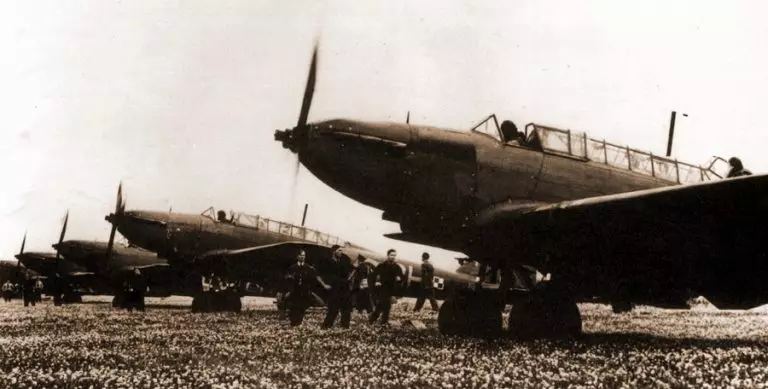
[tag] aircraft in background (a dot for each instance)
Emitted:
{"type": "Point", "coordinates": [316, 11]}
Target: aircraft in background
{"type": "Point", "coordinates": [246, 249]}
{"type": "Point", "coordinates": [110, 265]}
{"type": "Point", "coordinates": [603, 220]}
{"type": "Point", "coordinates": [75, 280]}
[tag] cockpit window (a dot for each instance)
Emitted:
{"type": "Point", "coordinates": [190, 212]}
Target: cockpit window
{"type": "Point", "coordinates": [209, 213]}
{"type": "Point", "coordinates": [490, 127]}
{"type": "Point", "coordinates": [718, 167]}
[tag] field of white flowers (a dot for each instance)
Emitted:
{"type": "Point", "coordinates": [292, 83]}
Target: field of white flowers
{"type": "Point", "coordinates": [93, 345]}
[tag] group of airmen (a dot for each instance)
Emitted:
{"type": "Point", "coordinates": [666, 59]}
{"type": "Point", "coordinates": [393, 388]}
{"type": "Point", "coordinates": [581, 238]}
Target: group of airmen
{"type": "Point", "coordinates": [350, 283]}
{"type": "Point", "coordinates": [31, 290]}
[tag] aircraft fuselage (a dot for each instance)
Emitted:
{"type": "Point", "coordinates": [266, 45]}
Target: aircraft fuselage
{"type": "Point", "coordinates": [435, 181]}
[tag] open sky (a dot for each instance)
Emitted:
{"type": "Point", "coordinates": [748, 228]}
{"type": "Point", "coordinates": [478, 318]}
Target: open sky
{"type": "Point", "coordinates": [180, 99]}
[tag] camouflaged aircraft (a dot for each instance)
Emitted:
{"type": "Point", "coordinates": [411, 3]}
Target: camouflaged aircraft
{"type": "Point", "coordinates": [107, 265]}
{"type": "Point", "coordinates": [604, 220]}
{"type": "Point", "coordinates": [248, 250]}
{"type": "Point", "coordinates": [75, 279]}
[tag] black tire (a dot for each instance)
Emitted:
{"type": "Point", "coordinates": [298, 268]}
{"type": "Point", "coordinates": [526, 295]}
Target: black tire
{"type": "Point", "coordinates": [117, 301]}
{"type": "Point", "coordinates": [448, 319]}
{"type": "Point", "coordinates": [548, 316]}
{"type": "Point", "coordinates": [235, 303]}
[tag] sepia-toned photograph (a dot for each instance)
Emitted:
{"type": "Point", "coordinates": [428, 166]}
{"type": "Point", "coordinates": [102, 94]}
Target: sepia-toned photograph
{"type": "Point", "coordinates": [402, 194]}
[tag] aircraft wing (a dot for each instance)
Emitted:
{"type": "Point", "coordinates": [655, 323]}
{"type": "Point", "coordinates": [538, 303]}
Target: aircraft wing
{"type": "Point", "coordinates": [651, 245]}
{"type": "Point", "coordinates": [265, 265]}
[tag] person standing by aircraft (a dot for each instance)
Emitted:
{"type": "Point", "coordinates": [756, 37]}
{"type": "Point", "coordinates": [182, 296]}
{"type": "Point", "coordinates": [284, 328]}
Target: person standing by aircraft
{"type": "Point", "coordinates": [336, 272]}
{"type": "Point", "coordinates": [427, 290]}
{"type": "Point", "coordinates": [135, 291]}
{"type": "Point", "coordinates": [300, 278]}
{"type": "Point", "coordinates": [359, 281]}
{"type": "Point", "coordinates": [58, 290]}
{"type": "Point", "coordinates": [388, 273]}
{"type": "Point", "coordinates": [7, 291]}
{"type": "Point", "coordinates": [29, 291]}
{"type": "Point", "coordinates": [39, 290]}
{"type": "Point", "coordinates": [201, 302]}
{"type": "Point", "coordinates": [737, 168]}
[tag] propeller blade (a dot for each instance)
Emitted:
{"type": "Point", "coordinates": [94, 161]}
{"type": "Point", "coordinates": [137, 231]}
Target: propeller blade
{"type": "Point", "coordinates": [23, 242]}
{"type": "Point", "coordinates": [408, 118]}
{"type": "Point", "coordinates": [119, 203]}
{"type": "Point", "coordinates": [63, 232]}
{"type": "Point", "coordinates": [309, 90]}
{"type": "Point", "coordinates": [111, 243]}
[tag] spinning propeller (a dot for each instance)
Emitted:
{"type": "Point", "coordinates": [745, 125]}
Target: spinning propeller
{"type": "Point", "coordinates": [21, 251]}
{"type": "Point", "coordinates": [296, 139]}
{"type": "Point", "coordinates": [119, 210]}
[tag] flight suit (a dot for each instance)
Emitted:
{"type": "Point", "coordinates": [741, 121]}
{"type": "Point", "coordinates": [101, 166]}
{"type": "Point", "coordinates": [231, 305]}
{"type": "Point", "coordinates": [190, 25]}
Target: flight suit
{"type": "Point", "coordinates": [39, 291]}
{"type": "Point", "coordinates": [201, 301]}
{"type": "Point", "coordinates": [29, 292]}
{"type": "Point", "coordinates": [360, 290]}
{"type": "Point", "coordinates": [135, 292]}
{"type": "Point", "coordinates": [299, 281]}
{"type": "Point", "coordinates": [58, 290]}
{"type": "Point", "coordinates": [7, 291]}
{"type": "Point", "coordinates": [427, 290]}
{"type": "Point", "coordinates": [337, 272]}
{"type": "Point", "coordinates": [387, 273]}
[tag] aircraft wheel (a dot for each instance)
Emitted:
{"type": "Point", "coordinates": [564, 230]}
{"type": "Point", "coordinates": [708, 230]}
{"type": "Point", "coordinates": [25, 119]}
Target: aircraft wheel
{"type": "Point", "coordinates": [71, 297]}
{"type": "Point", "coordinates": [117, 301]}
{"type": "Point", "coordinates": [450, 319]}
{"type": "Point", "coordinates": [235, 303]}
{"type": "Point", "coordinates": [545, 315]}
{"type": "Point", "coordinates": [471, 313]}
{"type": "Point", "coordinates": [621, 306]}
{"type": "Point", "coordinates": [197, 303]}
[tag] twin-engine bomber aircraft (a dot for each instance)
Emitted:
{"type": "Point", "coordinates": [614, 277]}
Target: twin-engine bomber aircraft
{"type": "Point", "coordinates": [605, 221]}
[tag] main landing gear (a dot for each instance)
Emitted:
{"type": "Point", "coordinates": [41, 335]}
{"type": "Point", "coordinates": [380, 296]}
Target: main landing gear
{"type": "Point", "coordinates": [545, 311]}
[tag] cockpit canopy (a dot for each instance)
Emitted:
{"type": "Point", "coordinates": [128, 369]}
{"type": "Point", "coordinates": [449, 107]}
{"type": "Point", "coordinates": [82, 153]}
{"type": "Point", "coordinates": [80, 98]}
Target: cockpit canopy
{"type": "Point", "coordinates": [257, 222]}
{"type": "Point", "coordinates": [577, 145]}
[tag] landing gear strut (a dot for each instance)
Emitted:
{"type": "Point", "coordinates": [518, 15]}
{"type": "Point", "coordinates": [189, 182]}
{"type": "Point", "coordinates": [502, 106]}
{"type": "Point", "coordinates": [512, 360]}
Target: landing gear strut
{"type": "Point", "coordinates": [547, 311]}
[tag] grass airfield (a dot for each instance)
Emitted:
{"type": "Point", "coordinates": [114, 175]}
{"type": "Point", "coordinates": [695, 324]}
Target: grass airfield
{"type": "Point", "coordinates": [92, 345]}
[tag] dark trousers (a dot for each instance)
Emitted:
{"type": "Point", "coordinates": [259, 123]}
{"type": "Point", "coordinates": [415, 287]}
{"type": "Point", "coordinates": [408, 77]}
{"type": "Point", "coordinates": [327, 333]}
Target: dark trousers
{"type": "Point", "coordinates": [296, 304]}
{"type": "Point", "coordinates": [29, 298]}
{"type": "Point", "coordinates": [339, 300]}
{"type": "Point", "coordinates": [362, 300]}
{"type": "Point", "coordinates": [383, 305]}
{"type": "Point", "coordinates": [296, 314]}
{"type": "Point", "coordinates": [425, 294]}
